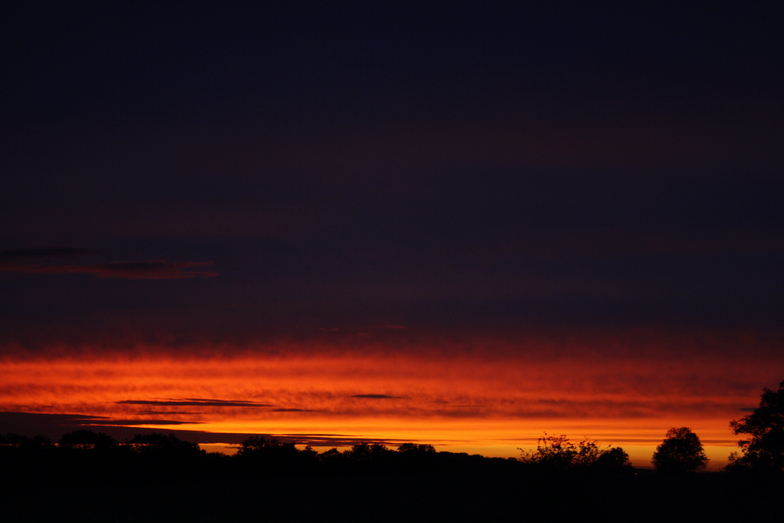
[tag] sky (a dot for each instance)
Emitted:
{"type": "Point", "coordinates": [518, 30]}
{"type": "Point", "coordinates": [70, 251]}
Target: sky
{"type": "Point", "coordinates": [463, 225]}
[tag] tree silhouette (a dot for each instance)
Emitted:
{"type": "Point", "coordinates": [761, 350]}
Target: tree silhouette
{"type": "Point", "coordinates": [364, 452]}
{"type": "Point", "coordinates": [25, 442]}
{"type": "Point", "coordinates": [369, 458]}
{"type": "Point", "coordinates": [614, 459]}
{"type": "Point", "coordinates": [87, 440]}
{"type": "Point", "coordinates": [764, 450]}
{"type": "Point", "coordinates": [261, 447]}
{"type": "Point", "coordinates": [558, 453]}
{"type": "Point", "coordinates": [158, 444]}
{"type": "Point", "coordinates": [680, 452]}
{"type": "Point", "coordinates": [416, 458]}
{"type": "Point", "coordinates": [273, 456]}
{"type": "Point", "coordinates": [417, 448]}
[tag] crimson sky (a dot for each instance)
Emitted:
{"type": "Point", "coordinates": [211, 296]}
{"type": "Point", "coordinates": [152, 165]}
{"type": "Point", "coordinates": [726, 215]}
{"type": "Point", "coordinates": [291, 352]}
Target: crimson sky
{"type": "Point", "coordinates": [582, 204]}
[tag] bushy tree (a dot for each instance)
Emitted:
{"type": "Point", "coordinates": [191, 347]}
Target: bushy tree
{"type": "Point", "coordinates": [680, 452]}
{"type": "Point", "coordinates": [416, 448]}
{"type": "Point", "coordinates": [613, 459]}
{"type": "Point", "coordinates": [25, 442]}
{"type": "Point", "coordinates": [558, 453]}
{"type": "Point", "coordinates": [363, 452]}
{"type": "Point", "coordinates": [764, 449]}
{"type": "Point", "coordinates": [261, 447]}
{"type": "Point", "coordinates": [158, 444]}
{"type": "Point", "coordinates": [370, 458]}
{"type": "Point", "coordinates": [272, 456]}
{"type": "Point", "coordinates": [87, 440]}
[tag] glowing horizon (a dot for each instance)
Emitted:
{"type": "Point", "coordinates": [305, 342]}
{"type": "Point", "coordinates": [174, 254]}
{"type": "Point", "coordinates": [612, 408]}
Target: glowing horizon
{"type": "Point", "coordinates": [485, 402]}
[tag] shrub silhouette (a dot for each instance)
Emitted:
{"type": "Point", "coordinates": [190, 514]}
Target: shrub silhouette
{"type": "Point", "coordinates": [680, 452]}
{"type": "Point", "coordinates": [558, 453]}
{"type": "Point", "coordinates": [764, 450]}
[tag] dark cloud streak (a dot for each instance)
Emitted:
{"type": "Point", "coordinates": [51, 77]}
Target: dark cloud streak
{"type": "Point", "coordinates": [377, 397]}
{"type": "Point", "coordinates": [55, 425]}
{"type": "Point", "coordinates": [146, 270]}
{"type": "Point", "coordinates": [31, 423]}
{"type": "Point", "coordinates": [43, 253]}
{"type": "Point", "coordinates": [195, 403]}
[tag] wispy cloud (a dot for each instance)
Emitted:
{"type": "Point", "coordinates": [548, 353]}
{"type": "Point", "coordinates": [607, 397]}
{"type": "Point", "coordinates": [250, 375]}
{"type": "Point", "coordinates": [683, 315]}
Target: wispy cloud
{"type": "Point", "coordinates": [165, 412]}
{"type": "Point", "coordinates": [194, 402]}
{"type": "Point", "coordinates": [22, 421]}
{"type": "Point", "coordinates": [55, 425]}
{"type": "Point", "coordinates": [142, 270]}
{"type": "Point", "coordinates": [135, 422]}
{"type": "Point", "coordinates": [38, 253]}
{"type": "Point", "coordinates": [377, 397]}
{"type": "Point", "coordinates": [473, 396]}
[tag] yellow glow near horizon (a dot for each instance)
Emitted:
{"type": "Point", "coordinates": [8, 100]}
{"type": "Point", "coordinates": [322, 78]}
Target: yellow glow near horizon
{"type": "Point", "coordinates": [475, 404]}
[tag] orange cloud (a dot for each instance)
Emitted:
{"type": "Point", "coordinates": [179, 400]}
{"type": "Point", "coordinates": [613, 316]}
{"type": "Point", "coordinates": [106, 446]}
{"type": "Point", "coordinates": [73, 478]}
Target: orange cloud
{"type": "Point", "coordinates": [467, 400]}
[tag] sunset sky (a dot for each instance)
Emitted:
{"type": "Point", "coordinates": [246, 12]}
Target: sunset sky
{"type": "Point", "coordinates": [463, 226]}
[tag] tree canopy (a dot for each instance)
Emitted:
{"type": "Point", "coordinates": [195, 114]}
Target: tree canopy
{"type": "Point", "coordinates": [162, 445]}
{"type": "Point", "coordinates": [85, 439]}
{"type": "Point", "coordinates": [558, 453]}
{"type": "Point", "coordinates": [680, 452]}
{"type": "Point", "coordinates": [764, 448]}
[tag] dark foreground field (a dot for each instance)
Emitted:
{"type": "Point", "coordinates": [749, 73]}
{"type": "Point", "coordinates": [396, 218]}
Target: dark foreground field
{"type": "Point", "coordinates": [641, 497]}
{"type": "Point", "coordinates": [159, 478]}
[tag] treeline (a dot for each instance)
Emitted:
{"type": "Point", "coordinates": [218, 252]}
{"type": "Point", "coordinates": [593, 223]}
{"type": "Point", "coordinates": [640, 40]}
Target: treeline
{"type": "Point", "coordinates": [87, 456]}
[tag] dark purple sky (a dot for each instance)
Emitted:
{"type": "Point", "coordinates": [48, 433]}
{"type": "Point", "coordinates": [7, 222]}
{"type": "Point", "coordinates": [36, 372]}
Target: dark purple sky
{"type": "Point", "coordinates": [485, 169]}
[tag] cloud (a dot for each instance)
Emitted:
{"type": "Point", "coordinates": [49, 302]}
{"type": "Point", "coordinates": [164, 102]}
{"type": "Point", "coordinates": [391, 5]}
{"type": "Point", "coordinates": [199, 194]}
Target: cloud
{"type": "Point", "coordinates": [133, 422]}
{"type": "Point", "coordinates": [52, 424]}
{"type": "Point", "coordinates": [152, 270]}
{"type": "Point", "coordinates": [43, 253]}
{"type": "Point", "coordinates": [476, 396]}
{"type": "Point", "coordinates": [377, 397]}
{"type": "Point", "coordinates": [336, 440]}
{"type": "Point", "coordinates": [194, 402]}
{"type": "Point", "coordinates": [168, 413]}
{"type": "Point", "coordinates": [144, 270]}
{"type": "Point", "coordinates": [55, 425]}
{"type": "Point", "coordinates": [25, 418]}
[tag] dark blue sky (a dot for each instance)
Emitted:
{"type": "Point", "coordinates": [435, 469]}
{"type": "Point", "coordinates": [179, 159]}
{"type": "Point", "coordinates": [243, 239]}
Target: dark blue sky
{"type": "Point", "coordinates": [489, 168]}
